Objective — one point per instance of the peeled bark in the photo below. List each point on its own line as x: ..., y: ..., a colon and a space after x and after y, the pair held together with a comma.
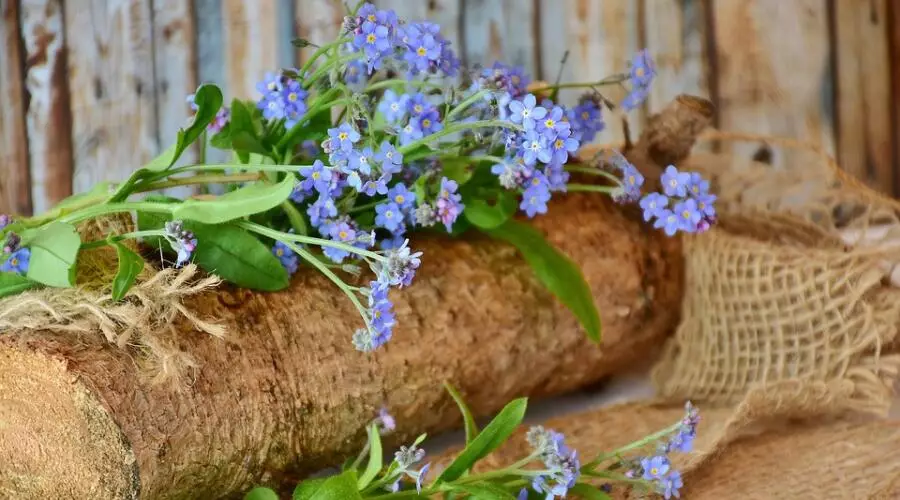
x: 286, y: 393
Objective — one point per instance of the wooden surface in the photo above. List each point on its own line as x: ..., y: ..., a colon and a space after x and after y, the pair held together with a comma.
x: 93, y: 88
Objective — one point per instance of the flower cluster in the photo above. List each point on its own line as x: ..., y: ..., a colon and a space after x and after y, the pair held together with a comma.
x: 182, y: 241
x: 684, y: 205
x: 657, y: 469
x: 17, y: 258
x: 641, y: 75
x: 559, y: 460
x: 283, y: 98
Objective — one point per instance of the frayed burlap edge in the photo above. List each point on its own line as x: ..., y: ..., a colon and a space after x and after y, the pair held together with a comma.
x: 143, y: 321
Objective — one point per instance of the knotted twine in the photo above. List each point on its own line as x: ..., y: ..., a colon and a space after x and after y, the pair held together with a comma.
x: 144, y: 319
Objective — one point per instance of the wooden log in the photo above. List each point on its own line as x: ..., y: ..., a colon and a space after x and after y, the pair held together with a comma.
x: 287, y: 394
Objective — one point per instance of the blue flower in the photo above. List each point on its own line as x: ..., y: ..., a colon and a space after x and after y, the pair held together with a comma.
x: 417, y: 104
x: 635, y: 98
x: 557, y: 176
x: 705, y: 205
x: 430, y: 122
x: 655, y: 467
x: 586, y: 120
x: 697, y: 185
x: 294, y: 102
x: 535, y: 147
x: 420, y: 476
x: 562, y: 145
x: 642, y: 69
x: 653, y: 205
x: 391, y: 159
x: 310, y: 148
x: 361, y: 161
x: 342, y: 232
x: 523, y: 494
x: 372, y: 39
x: 393, y: 106
x: 17, y: 262
x: 322, y: 209
x: 355, y: 72
x: 682, y: 442
x: 402, y: 196
x: 317, y: 177
x: 526, y: 111
x: 181, y: 240
x: 388, y: 215
x: 667, y: 221
x: 675, y: 183
x: 376, y: 186
x: 534, y: 200
x: 343, y: 137
x: 422, y: 48
x: 670, y: 485
x: 688, y: 214
x: 286, y: 256
x: 410, y: 133
x: 552, y: 125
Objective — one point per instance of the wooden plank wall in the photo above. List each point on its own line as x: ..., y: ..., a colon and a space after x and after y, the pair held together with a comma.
x: 90, y: 89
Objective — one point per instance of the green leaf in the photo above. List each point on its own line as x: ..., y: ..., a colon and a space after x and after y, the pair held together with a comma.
x: 588, y: 492
x: 555, y: 270
x: 255, y: 198
x: 485, y: 491
x: 339, y: 487
x: 12, y: 284
x: 208, y: 99
x: 487, y: 216
x: 459, y: 169
x: 244, y: 143
x: 375, y: 458
x: 130, y: 265
x: 66, y: 204
x: 261, y: 493
x: 54, y: 251
x: 241, y: 121
x: 493, y: 435
x: 468, y: 419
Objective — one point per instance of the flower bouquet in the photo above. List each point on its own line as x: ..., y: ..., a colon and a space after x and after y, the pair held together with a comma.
x: 376, y: 165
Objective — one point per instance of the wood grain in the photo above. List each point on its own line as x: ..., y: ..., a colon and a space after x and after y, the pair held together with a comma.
x: 317, y: 21
x: 48, y: 118
x: 768, y: 86
x: 250, y: 43
x: 500, y: 30
x: 112, y: 87
x: 15, y: 195
x: 864, y: 91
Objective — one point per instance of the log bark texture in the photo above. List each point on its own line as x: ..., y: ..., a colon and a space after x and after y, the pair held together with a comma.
x: 286, y: 394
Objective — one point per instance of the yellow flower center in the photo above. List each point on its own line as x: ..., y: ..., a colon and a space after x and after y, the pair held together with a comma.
x: 559, y: 143
x: 585, y: 115
x: 371, y: 18
x: 389, y: 214
x: 14, y: 261
x: 315, y: 176
x: 631, y: 179
x: 686, y: 214
x: 292, y: 97
x: 399, y: 199
x: 550, y: 123
x: 515, y: 79
x: 639, y: 72
x: 417, y: 108
x: 673, y: 183
x: 701, y: 205
x: 370, y: 38
x: 422, y: 51
x: 342, y: 136
x: 342, y: 235
x: 536, y: 181
x: 695, y: 189
x: 279, y: 252
x: 426, y: 123
x: 654, y: 471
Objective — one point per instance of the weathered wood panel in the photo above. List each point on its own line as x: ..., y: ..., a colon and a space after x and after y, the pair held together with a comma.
x: 112, y: 88
x: 48, y: 117
x: 211, y: 56
x: 768, y: 86
x: 15, y: 192
x: 601, y: 38
x: 864, y: 91
x: 498, y: 30
x: 251, y: 40
x: 894, y: 30
x: 318, y: 22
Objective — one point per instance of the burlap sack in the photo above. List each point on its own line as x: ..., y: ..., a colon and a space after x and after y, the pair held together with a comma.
x: 741, y: 453
x: 794, y: 283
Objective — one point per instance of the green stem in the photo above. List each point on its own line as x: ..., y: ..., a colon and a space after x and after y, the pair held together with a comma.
x: 362, y: 208
x: 323, y: 104
x: 610, y: 80
x: 590, y: 188
x: 495, y: 159
x: 309, y: 240
x: 465, y: 104
x: 296, y: 218
x: 594, y: 171
x: 198, y: 179
x: 120, y: 237
x: 340, y: 61
x: 318, y: 53
x: 459, y: 127
x: 112, y: 208
x: 398, y: 81
x: 633, y: 446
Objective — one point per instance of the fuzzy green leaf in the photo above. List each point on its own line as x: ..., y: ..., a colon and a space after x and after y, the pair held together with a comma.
x: 555, y: 270
x: 54, y: 251
x: 130, y: 265
x: 588, y: 492
x: 338, y: 487
x: 261, y: 493
x: 493, y: 435
x: 485, y: 215
x: 209, y: 101
x: 375, y: 458
x: 468, y: 419
x: 255, y: 198
x: 12, y: 284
